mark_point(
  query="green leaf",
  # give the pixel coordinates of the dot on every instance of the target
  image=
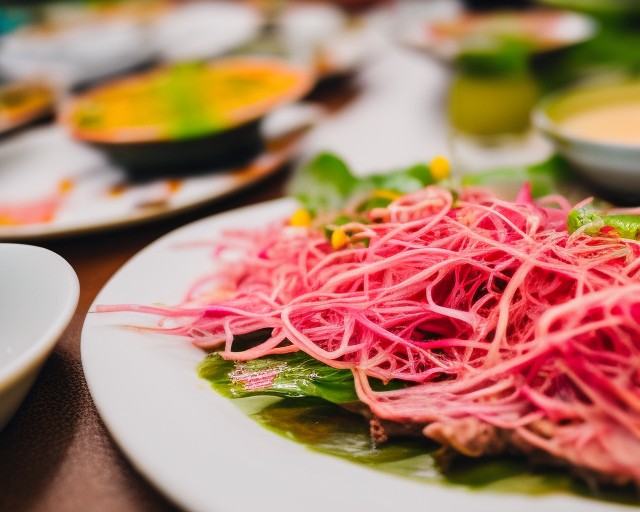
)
(546, 177)
(398, 181)
(288, 375)
(613, 50)
(292, 375)
(422, 173)
(324, 184)
(329, 428)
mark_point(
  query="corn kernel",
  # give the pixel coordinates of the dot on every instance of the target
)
(300, 218)
(65, 186)
(339, 239)
(440, 168)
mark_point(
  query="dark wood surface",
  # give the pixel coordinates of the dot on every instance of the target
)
(56, 454)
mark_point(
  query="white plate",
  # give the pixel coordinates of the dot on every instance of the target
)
(315, 34)
(319, 35)
(75, 53)
(203, 29)
(196, 446)
(547, 30)
(38, 295)
(51, 186)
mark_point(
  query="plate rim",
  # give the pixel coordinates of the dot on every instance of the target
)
(49, 230)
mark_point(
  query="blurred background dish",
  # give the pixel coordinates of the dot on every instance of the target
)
(493, 91)
(597, 128)
(596, 7)
(38, 297)
(359, 5)
(492, 5)
(185, 115)
(320, 36)
(75, 44)
(23, 103)
(538, 30)
(203, 29)
(56, 187)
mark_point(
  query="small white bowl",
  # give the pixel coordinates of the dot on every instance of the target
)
(612, 169)
(38, 296)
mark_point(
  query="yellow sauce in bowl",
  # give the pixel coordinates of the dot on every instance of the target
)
(185, 101)
(596, 127)
(617, 123)
(21, 103)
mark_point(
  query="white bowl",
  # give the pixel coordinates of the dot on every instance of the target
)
(611, 168)
(38, 295)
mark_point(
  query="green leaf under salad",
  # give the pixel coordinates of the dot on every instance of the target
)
(327, 184)
(551, 176)
(288, 375)
(293, 375)
(310, 410)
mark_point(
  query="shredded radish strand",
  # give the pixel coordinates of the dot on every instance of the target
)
(508, 330)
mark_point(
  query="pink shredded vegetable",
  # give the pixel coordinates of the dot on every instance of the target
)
(510, 330)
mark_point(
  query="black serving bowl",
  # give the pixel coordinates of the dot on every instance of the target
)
(196, 120)
(223, 150)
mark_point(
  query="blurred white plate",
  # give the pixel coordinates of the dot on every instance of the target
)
(38, 296)
(203, 29)
(52, 186)
(322, 37)
(543, 30)
(74, 54)
(196, 446)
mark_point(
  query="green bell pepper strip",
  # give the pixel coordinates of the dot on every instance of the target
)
(625, 226)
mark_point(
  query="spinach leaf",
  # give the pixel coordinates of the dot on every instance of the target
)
(547, 177)
(326, 183)
(292, 375)
(288, 375)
